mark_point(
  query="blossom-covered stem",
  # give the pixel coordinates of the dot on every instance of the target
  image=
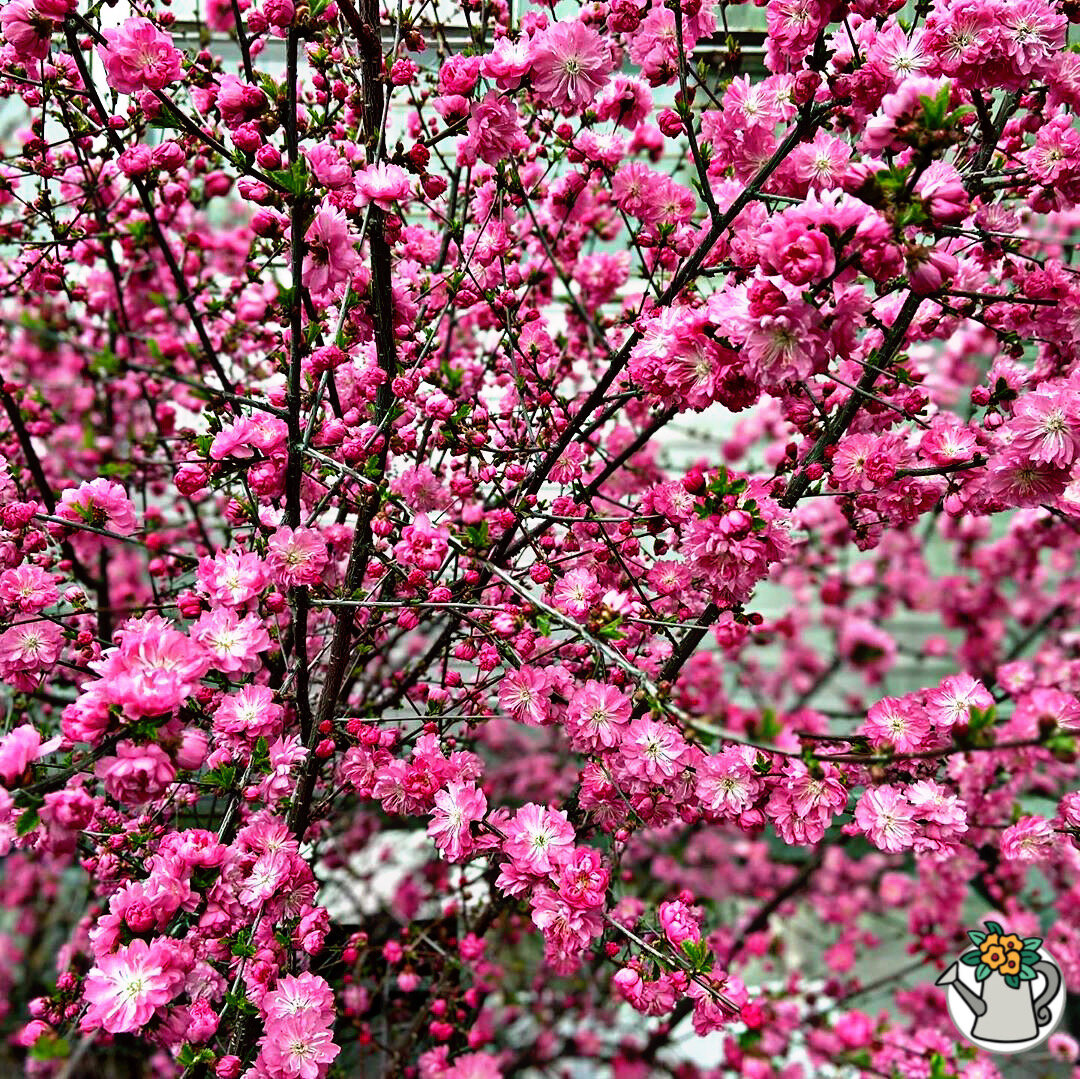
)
(167, 255)
(894, 339)
(386, 350)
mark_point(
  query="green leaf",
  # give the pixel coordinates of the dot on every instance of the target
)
(1012, 981)
(1032, 944)
(27, 822)
(982, 972)
(1027, 974)
(975, 936)
(995, 927)
(971, 959)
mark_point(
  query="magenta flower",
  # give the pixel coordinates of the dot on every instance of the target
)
(456, 808)
(331, 258)
(139, 56)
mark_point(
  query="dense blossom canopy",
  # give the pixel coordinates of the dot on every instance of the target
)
(384, 694)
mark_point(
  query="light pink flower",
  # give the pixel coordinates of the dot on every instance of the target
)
(297, 556)
(537, 839)
(1030, 839)
(570, 65)
(456, 808)
(382, 184)
(124, 989)
(331, 258)
(100, 503)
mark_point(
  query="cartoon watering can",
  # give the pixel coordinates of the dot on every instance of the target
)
(1006, 968)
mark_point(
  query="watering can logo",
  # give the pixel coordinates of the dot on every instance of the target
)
(1005, 994)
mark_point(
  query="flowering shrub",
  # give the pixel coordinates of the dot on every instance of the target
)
(337, 506)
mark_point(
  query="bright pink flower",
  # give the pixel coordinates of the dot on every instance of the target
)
(27, 650)
(137, 774)
(139, 56)
(1046, 428)
(570, 65)
(423, 544)
(495, 132)
(538, 839)
(233, 643)
(1030, 839)
(652, 751)
(27, 588)
(885, 816)
(901, 723)
(802, 806)
(507, 63)
(153, 670)
(19, 748)
(525, 694)
(951, 702)
(297, 556)
(100, 503)
(678, 922)
(726, 781)
(232, 578)
(576, 592)
(582, 878)
(125, 988)
(595, 715)
(26, 30)
(456, 808)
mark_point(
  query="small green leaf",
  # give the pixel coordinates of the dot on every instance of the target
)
(995, 927)
(982, 972)
(1027, 974)
(27, 822)
(1032, 944)
(1012, 981)
(976, 936)
(971, 959)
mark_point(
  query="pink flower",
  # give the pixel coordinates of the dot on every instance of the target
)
(942, 190)
(1030, 839)
(232, 578)
(456, 808)
(526, 695)
(494, 131)
(154, 669)
(1046, 428)
(382, 184)
(28, 650)
(100, 503)
(137, 774)
(20, 748)
(250, 712)
(951, 703)
(295, 994)
(299, 1047)
(139, 56)
(233, 643)
(678, 922)
(328, 166)
(885, 816)
(297, 556)
(570, 65)
(582, 878)
(653, 752)
(26, 30)
(27, 588)
(423, 544)
(595, 715)
(898, 722)
(726, 781)
(331, 258)
(124, 989)
(576, 592)
(538, 839)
